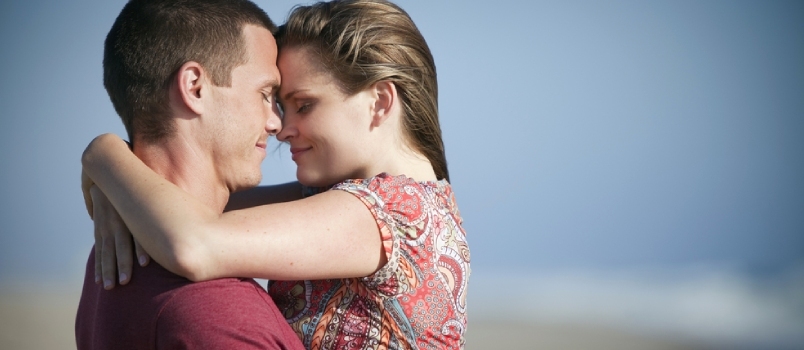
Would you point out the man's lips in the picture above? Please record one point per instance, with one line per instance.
(262, 145)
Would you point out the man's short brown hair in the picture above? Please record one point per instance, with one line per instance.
(152, 39)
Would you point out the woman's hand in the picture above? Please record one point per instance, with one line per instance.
(193, 239)
(113, 252)
(86, 184)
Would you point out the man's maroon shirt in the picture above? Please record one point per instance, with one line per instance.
(160, 310)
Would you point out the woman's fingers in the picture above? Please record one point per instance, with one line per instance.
(86, 184)
(105, 249)
(123, 248)
(108, 261)
(142, 256)
(116, 256)
(98, 245)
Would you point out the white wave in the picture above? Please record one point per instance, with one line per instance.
(715, 305)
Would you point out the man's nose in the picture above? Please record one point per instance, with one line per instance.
(274, 123)
(273, 126)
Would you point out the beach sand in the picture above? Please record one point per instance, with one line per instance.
(43, 318)
(38, 318)
(495, 335)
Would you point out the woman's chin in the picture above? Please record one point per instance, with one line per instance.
(310, 179)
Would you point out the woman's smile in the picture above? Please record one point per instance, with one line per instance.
(297, 152)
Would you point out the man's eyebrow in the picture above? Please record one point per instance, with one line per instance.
(272, 83)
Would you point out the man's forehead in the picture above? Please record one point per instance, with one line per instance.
(260, 36)
(261, 55)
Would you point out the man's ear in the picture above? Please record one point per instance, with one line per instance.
(386, 102)
(192, 86)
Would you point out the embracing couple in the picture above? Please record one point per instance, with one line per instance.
(365, 251)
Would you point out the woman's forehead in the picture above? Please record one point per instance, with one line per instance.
(300, 70)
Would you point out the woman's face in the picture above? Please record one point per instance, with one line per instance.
(326, 129)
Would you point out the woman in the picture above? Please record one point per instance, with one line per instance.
(388, 270)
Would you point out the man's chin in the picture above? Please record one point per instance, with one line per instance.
(249, 182)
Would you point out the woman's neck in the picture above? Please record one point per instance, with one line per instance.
(406, 161)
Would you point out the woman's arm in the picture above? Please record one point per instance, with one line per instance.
(329, 235)
(114, 256)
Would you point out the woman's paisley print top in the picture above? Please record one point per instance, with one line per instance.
(416, 301)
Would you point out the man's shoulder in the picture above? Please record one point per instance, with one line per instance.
(228, 312)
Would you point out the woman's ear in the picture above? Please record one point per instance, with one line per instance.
(386, 102)
(192, 88)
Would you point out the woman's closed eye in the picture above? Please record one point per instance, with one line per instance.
(304, 107)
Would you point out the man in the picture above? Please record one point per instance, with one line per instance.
(193, 82)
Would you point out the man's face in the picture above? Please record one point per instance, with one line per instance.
(246, 113)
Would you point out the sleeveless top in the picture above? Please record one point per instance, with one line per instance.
(417, 300)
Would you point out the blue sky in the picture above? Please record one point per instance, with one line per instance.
(579, 134)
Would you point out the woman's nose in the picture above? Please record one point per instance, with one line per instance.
(286, 132)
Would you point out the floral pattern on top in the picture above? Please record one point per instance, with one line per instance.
(415, 301)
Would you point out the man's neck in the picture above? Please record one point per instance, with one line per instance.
(178, 161)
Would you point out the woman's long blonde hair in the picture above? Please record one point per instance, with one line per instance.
(361, 42)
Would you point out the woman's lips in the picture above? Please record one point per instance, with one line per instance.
(296, 152)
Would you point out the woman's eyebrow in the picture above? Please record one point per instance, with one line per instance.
(290, 94)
